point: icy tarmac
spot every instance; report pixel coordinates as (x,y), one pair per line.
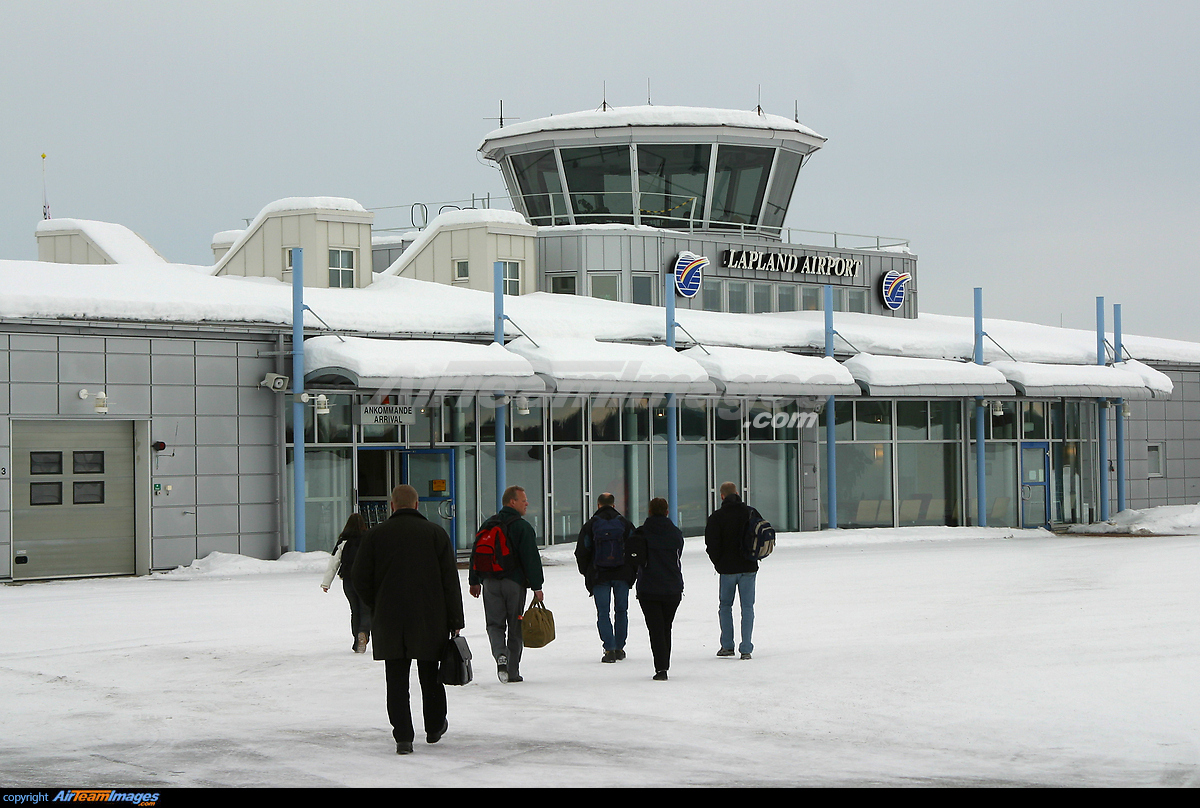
(920,656)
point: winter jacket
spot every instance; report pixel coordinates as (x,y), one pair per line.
(528,572)
(585,552)
(659,546)
(350,539)
(406,574)
(723,537)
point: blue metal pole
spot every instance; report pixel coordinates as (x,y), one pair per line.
(1101,414)
(980,426)
(830,424)
(501,406)
(1119,416)
(672,411)
(298,493)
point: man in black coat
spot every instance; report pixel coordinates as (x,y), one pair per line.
(406,573)
(723,540)
(608,571)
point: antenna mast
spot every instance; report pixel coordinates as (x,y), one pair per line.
(45,201)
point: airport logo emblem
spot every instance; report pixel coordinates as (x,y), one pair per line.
(892,288)
(688,270)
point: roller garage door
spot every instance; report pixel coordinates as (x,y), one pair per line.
(72,498)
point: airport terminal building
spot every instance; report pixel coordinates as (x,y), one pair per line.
(146,417)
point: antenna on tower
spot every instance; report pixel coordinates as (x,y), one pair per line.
(759,108)
(648,93)
(45,201)
(501,118)
(797,111)
(604,107)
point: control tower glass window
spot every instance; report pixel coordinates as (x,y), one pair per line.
(600,183)
(787,166)
(672,181)
(741,182)
(541,187)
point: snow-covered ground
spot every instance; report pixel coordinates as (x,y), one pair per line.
(894,657)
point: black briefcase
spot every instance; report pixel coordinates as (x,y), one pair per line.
(456,662)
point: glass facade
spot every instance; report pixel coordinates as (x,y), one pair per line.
(900,462)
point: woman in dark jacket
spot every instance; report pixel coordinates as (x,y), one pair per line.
(660,581)
(360,615)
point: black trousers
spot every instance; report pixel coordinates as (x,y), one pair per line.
(360,615)
(433,697)
(659,615)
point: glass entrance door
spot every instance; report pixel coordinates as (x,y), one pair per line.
(1035,484)
(431,472)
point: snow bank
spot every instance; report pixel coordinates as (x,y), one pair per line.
(217,564)
(1161,521)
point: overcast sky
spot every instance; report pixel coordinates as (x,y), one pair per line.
(1046,151)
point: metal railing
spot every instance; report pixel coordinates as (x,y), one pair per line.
(559,214)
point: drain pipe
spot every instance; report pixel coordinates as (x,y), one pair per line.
(830,425)
(980,427)
(500,398)
(298,495)
(1102,414)
(1119,415)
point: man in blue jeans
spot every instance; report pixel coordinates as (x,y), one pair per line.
(723,540)
(608,571)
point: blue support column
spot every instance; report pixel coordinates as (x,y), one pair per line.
(980,426)
(672,410)
(1102,414)
(499,396)
(1120,416)
(830,424)
(298,493)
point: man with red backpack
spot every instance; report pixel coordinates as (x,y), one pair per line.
(505,563)
(609,570)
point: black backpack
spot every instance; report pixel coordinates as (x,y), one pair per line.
(758,537)
(608,542)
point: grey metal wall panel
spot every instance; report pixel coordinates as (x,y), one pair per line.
(5,493)
(251,370)
(257,488)
(216,370)
(217,489)
(216,400)
(180,347)
(216,430)
(128,399)
(34,399)
(172,400)
(128,368)
(256,401)
(258,518)
(32,366)
(169,369)
(256,430)
(32,342)
(216,519)
(217,460)
(171,552)
(127,345)
(173,430)
(3,398)
(81,368)
(259,545)
(258,459)
(217,544)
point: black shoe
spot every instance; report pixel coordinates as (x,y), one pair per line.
(620,654)
(434,737)
(745,656)
(725,652)
(609,656)
(661,676)
(403,747)
(515,678)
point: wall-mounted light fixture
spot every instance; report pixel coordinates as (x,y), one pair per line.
(320,402)
(997,409)
(522,404)
(99,403)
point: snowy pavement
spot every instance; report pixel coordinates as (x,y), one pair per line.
(920,656)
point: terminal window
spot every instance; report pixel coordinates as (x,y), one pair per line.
(341,269)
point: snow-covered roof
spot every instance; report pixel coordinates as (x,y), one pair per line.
(290,204)
(745,371)
(908,376)
(396,306)
(118,242)
(587,366)
(1050,381)
(615,117)
(455,218)
(422,366)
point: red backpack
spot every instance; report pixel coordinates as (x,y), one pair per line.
(493,554)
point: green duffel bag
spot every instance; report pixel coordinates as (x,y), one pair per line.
(537,626)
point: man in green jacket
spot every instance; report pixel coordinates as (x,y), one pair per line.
(504,595)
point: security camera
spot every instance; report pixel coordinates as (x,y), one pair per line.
(275,382)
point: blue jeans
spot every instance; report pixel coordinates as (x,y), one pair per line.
(612,593)
(743,584)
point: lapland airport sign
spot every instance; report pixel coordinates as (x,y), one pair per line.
(786,262)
